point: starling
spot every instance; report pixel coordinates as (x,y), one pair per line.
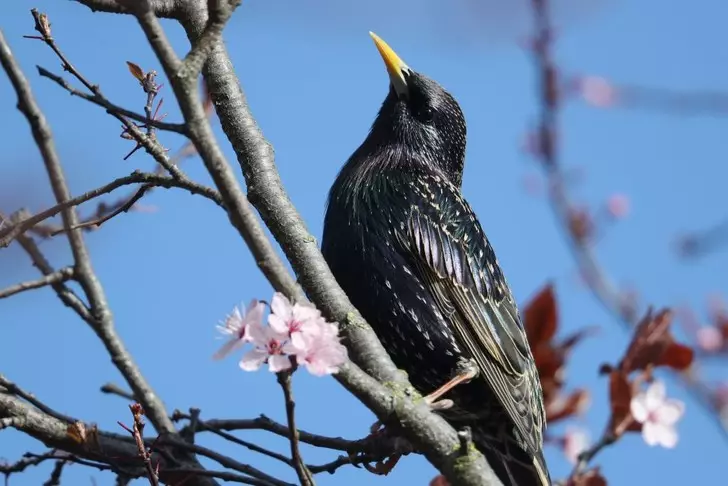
(411,255)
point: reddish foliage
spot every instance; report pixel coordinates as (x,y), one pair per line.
(589,478)
(540,317)
(654,345)
(572,404)
(621,391)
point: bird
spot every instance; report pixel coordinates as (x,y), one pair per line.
(408,250)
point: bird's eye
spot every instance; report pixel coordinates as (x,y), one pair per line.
(426,114)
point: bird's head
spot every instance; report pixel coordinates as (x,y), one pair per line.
(419,115)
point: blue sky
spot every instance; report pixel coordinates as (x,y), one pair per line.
(315,81)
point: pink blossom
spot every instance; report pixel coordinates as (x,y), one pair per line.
(658,415)
(293,331)
(320,350)
(618,206)
(294,320)
(269,347)
(236,325)
(710,339)
(597,91)
(576,441)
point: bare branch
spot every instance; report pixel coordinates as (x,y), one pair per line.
(98,99)
(169,9)
(238,208)
(113,389)
(220,13)
(138,435)
(304,475)
(11,388)
(11,231)
(102,321)
(61,275)
(64,293)
(266,423)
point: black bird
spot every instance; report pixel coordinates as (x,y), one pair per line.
(411,255)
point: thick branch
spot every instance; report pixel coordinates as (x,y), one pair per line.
(166,9)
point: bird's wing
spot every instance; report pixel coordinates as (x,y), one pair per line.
(458,267)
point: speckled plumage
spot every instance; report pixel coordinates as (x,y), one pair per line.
(411,255)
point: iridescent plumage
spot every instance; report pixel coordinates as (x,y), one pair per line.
(411,255)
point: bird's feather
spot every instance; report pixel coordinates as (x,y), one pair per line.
(447,246)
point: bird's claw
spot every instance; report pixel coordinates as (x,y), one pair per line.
(443,404)
(383,467)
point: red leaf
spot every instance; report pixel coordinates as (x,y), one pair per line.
(540,317)
(653,345)
(135,70)
(573,404)
(590,478)
(677,356)
(620,396)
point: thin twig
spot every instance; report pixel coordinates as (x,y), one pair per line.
(102,320)
(265,423)
(137,433)
(304,475)
(113,389)
(12,230)
(61,275)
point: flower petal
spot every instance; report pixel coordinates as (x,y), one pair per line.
(281,306)
(638,408)
(253,359)
(257,334)
(254,312)
(279,362)
(278,324)
(299,342)
(660,434)
(650,433)
(227,348)
(670,412)
(655,395)
(303,312)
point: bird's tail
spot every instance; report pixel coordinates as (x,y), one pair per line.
(512,464)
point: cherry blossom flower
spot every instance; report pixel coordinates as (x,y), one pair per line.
(618,206)
(269,347)
(320,350)
(597,91)
(294,320)
(658,415)
(710,339)
(293,331)
(576,441)
(236,325)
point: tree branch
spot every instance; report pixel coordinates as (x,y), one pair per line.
(101,320)
(429,432)
(59,276)
(11,231)
(304,475)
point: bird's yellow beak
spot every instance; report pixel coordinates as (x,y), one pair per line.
(395,66)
